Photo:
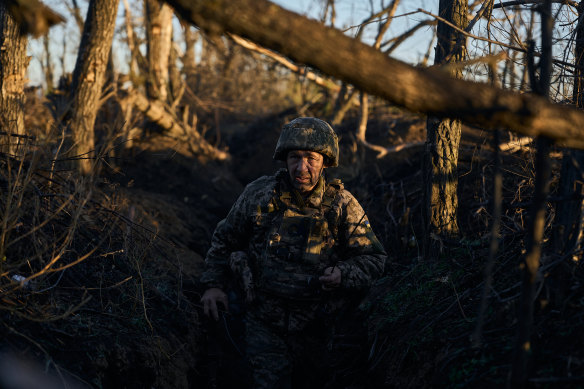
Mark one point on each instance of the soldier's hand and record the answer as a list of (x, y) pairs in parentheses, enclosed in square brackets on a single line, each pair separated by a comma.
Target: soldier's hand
[(210, 299), (331, 278)]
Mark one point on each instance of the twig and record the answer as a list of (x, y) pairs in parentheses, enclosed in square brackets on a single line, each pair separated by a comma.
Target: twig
[(120, 283), (52, 286), (143, 296), (379, 20), (400, 39), (41, 225), (458, 301)]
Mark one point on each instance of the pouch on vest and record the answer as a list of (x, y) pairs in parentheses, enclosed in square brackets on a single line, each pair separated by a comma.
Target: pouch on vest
[(293, 258)]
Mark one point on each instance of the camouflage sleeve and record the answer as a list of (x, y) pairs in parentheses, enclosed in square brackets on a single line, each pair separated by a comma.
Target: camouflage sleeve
[(231, 234), (363, 256)]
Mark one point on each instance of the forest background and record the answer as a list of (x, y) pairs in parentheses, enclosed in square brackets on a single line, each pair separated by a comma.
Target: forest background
[(130, 127)]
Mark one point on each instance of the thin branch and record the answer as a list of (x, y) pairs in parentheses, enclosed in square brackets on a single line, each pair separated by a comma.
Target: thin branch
[(390, 10), (378, 20), (400, 39), (309, 75)]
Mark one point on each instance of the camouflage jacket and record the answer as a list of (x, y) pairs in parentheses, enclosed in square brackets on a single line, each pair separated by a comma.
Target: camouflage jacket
[(347, 241)]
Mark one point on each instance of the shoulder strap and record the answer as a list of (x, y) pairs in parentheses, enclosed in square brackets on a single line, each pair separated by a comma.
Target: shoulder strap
[(281, 198), (329, 199), (333, 188)]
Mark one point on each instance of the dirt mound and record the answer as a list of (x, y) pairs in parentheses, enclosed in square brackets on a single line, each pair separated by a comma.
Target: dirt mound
[(252, 149)]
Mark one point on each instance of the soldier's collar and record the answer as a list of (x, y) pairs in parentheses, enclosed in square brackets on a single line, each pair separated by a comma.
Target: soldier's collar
[(315, 197), (288, 194)]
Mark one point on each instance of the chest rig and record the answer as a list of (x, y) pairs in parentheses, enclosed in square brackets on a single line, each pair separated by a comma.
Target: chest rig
[(300, 242)]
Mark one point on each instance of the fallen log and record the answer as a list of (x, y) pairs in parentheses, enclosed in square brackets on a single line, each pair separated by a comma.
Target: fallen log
[(155, 111)]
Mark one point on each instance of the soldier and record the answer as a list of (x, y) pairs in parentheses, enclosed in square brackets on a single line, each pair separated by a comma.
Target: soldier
[(305, 248)]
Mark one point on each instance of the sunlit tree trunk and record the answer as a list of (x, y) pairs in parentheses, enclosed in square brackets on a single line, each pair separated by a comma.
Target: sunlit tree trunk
[(188, 59), (13, 64), (89, 77), (131, 40), (159, 34), (176, 85), (48, 65), (442, 142)]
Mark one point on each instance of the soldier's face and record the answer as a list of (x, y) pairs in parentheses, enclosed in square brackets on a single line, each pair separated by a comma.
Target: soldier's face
[(304, 168)]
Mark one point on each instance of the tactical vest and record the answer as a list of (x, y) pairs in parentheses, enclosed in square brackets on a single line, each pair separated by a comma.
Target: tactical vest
[(300, 244)]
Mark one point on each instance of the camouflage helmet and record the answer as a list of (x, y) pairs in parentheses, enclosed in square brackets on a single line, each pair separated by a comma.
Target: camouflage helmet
[(309, 134)]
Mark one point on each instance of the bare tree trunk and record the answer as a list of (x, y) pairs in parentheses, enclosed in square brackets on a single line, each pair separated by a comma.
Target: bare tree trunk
[(48, 66), (159, 34), (188, 59), (569, 234), (13, 64), (62, 59), (131, 41), (442, 142), (176, 84), (89, 76), (362, 129)]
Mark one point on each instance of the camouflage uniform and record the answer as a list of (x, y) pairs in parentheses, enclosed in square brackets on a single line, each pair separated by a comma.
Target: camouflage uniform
[(289, 242)]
